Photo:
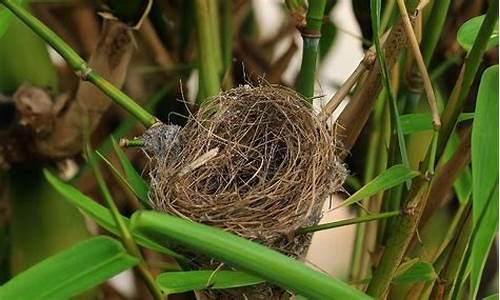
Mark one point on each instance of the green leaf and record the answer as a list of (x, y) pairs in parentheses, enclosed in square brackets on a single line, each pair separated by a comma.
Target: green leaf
[(70, 272), (411, 123), (484, 147), (100, 214), (491, 297), (180, 282), (391, 177), (467, 33), (484, 151), (138, 184), (414, 271), (6, 18), (243, 255)]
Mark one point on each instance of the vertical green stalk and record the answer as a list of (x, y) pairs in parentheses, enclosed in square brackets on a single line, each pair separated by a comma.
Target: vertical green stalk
[(433, 28), (464, 83), (311, 34), (126, 236), (372, 158), (79, 65), (209, 83), (227, 43)]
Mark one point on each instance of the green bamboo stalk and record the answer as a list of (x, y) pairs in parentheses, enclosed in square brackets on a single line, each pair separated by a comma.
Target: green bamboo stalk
[(369, 173), (79, 65), (363, 219), (398, 242), (456, 258), (311, 34), (126, 236), (466, 78), (213, 13), (209, 83), (227, 43), (433, 28)]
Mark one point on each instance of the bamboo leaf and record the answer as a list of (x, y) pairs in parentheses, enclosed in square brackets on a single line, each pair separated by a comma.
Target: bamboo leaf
[(411, 123), (180, 282), (6, 18), (484, 172), (491, 297), (467, 33), (100, 214), (415, 271), (138, 184), (70, 272), (484, 147), (391, 177), (244, 255), (481, 240)]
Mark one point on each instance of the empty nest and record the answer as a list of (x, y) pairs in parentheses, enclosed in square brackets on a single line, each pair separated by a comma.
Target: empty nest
[(254, 161)]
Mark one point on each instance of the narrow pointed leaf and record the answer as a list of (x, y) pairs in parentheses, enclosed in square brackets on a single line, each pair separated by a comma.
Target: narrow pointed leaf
[(100, 214), (484, 173), (391, 177), (180, 282), (243, 255), (70, 272), (138, 184)]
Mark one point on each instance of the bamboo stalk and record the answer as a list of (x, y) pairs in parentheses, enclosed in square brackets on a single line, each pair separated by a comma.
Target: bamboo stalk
[(398, 243), (433, 28), (466, 78), (311, 34), (209, 83), (126, 236), (79, 66)]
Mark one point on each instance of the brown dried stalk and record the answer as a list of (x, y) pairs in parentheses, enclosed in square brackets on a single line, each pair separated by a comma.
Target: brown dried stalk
[(354, 117)]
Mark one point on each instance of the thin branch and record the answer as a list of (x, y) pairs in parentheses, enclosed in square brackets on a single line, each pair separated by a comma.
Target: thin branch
[(363, 219), (346, 87)]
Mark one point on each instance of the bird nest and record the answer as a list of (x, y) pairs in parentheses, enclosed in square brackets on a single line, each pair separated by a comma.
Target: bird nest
[(254, 161)]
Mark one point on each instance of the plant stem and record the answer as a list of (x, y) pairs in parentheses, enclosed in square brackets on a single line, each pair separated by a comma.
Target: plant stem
[(433, 28), (398, 242), (466, 78), (449, 274), (363, 219), (311, 34), (126, 236), (79, 65), (209, 83), (412, 39)]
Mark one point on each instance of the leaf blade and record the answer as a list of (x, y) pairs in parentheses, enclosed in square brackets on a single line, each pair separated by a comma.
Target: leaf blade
[(180, 282), (391, 177), (70, 272), (100, 214), (468, 32), (484, 151), (243, 255)]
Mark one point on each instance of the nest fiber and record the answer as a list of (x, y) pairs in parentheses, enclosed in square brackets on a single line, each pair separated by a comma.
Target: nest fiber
[(254, 161)]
